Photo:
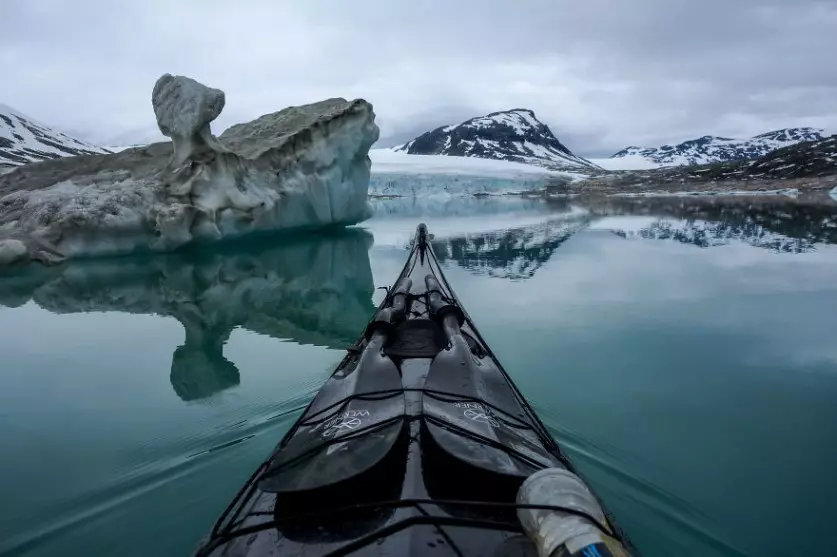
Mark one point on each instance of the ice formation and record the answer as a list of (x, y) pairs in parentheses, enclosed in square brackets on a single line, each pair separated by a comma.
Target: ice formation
[(301, 167)]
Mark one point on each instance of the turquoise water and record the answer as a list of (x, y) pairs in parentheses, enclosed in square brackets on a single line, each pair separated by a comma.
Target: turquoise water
[(683, 353)]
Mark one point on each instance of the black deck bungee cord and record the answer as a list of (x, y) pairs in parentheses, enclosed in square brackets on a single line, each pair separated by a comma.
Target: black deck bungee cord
[(417, 503)]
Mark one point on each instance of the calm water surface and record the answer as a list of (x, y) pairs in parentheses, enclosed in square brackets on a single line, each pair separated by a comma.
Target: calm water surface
[(683, 352)]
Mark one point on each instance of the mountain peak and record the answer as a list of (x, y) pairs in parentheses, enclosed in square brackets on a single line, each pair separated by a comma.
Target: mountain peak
[(791, 134), (711, 149), (513, 135), (23, 140), (524, 111)]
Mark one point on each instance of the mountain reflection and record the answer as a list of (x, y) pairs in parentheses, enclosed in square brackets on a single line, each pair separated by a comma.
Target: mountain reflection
[(313, 290), (779, 225), (515, 253)]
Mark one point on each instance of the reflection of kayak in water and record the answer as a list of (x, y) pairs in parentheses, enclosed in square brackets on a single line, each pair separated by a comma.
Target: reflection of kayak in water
[(418, 444)]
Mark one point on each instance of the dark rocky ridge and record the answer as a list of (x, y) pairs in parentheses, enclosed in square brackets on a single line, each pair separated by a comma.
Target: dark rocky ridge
[(512, 135)]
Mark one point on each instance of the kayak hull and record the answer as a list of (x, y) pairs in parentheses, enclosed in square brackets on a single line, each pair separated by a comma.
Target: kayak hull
[(416, 445)]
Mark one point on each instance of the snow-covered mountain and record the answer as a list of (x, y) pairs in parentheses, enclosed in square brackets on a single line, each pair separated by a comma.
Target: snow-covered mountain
[(711, 149), (512, 135), (24, 140), (811, 158)]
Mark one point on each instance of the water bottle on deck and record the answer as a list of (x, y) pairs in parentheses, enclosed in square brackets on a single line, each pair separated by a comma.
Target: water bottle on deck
[(565, 534)]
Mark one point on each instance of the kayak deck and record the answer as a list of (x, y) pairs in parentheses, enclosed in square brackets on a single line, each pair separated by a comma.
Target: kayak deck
[(416, 445)]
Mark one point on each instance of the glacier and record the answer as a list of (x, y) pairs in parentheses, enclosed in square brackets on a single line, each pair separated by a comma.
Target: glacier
[(397, 174), (300, 168), (453, 206)]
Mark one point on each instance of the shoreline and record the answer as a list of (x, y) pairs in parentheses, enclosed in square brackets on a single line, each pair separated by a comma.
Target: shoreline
[(821, 189)]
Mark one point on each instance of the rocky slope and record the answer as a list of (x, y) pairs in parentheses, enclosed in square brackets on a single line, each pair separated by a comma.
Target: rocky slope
[(711, 149), (810, 167), (23, 140), (301, 167), (512, 135)]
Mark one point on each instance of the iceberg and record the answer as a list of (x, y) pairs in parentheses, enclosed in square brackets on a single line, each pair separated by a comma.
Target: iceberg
[(303, 167)]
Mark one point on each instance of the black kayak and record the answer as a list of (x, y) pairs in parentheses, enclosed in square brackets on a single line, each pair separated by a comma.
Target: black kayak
[(417, 445)]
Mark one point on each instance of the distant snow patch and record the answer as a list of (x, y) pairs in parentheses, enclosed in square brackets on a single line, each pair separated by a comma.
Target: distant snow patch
[(628, 162)]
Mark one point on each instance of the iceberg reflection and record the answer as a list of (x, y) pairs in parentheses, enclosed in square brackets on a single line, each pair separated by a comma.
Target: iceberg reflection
[(312, 290)]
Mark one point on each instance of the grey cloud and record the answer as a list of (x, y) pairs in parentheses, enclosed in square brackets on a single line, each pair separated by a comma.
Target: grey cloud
[(602, 73)]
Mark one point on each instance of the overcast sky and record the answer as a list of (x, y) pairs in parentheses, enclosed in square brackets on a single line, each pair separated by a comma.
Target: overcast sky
[(603, 74)]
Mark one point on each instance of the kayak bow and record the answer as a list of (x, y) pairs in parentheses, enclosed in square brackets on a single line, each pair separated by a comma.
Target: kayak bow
[(417, 444)]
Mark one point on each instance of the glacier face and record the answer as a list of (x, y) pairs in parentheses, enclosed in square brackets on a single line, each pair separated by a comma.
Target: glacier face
[(434, 206), (396, 173), (447, 185), (301, 167)]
